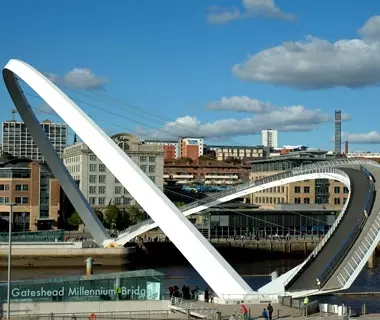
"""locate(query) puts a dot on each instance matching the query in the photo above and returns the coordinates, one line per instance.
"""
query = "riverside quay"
(133, 285)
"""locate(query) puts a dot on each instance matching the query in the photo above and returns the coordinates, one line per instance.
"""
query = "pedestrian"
(264, 314)
(270, 311)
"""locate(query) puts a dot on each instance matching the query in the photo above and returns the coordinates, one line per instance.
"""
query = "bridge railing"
(360, 252)
(352, 236)
(219, 195)
(282, 175)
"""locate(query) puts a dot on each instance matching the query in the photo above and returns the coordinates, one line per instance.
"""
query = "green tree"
(179, 204)
(99, 214)
(75, 220)
(111, 216)
(136, 214)
(123, 220)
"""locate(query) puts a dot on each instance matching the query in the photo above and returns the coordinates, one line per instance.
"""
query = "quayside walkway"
(323, 264)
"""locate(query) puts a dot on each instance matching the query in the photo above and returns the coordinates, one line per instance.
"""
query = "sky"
(221, 69)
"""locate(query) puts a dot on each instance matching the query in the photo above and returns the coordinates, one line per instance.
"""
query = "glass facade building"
(131, 285)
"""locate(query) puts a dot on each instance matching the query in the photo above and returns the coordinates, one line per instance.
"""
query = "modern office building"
(269, 138)
(98, 185)
(17, 141)
(206, 173)
(329, 194)
(238, 152)
(170, 148)
(191, 148)
(36, 192)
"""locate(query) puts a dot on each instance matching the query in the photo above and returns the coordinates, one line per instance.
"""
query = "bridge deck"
(333, 282)
(307, 280)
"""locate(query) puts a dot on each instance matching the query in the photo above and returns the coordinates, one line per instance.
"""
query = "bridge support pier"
(372, 260)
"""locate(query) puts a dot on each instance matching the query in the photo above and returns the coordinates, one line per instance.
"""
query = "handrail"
(222, 194)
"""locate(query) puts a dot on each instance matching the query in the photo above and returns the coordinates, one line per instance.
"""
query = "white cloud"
(287, 118)
(82, 78)
(316, 63)
(372, 137)
(252, 8)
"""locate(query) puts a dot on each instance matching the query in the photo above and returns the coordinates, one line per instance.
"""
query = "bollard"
(89, 266)
(364, 308)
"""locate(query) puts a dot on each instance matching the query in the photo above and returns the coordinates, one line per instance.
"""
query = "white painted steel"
(213, 268)
(300, 176)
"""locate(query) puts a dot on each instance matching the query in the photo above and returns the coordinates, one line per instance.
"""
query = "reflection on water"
(255, 273)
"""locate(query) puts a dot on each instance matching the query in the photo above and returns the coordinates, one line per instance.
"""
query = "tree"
(179, 204)
(136, 214)
(99, 214)
(75, 220)
(111, 216)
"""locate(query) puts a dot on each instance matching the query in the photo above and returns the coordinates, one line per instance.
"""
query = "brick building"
(206, 172)
(35, 191)
(329, 194)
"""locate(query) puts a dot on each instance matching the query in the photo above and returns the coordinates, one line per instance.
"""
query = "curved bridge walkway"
(325, 262)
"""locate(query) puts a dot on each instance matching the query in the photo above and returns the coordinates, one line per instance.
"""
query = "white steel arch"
(321, 173)
(197, 250)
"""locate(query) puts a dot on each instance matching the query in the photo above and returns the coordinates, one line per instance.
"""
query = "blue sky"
(220, 68)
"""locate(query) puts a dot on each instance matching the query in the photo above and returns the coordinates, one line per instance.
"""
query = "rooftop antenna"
(14, 111)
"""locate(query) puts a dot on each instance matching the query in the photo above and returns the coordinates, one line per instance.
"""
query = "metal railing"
(353, 235)
(272, 178)
(360, 253)
(34, 236)
(192, 308)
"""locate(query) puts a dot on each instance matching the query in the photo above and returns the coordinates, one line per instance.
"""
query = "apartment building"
(206, 172)
(269, 138)
(375, 156)
(35, 192)
(329, 194)
(17, 141)
(191, 148)
(239, 152)
(170, 148)
(98, 184)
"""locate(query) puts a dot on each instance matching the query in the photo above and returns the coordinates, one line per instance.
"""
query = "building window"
(102, 190)
(306, 200)
(344, 200)
(143, 167)
(297, 200)
(282, 189)
(92, 200)
(92, 179)
(102, 179)
(345, 190)
(306, 190)
(337, 190)
(336, 200)
(152, 169)
(20, 200)
(153, 178)
(152, 159)
(117, 181)
(118, 189)
(117, 201)
(143, 159)
(4, 187)
(297, 189)
(4, 200)
(102, 168)
(22, 187)
(92, 157)
(102, 200)
(92, 190)
(93, 167)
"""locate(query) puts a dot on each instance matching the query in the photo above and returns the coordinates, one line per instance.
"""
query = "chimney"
(346, 147)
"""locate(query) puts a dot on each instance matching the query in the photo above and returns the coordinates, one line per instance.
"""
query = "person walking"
(305, 303)
(270, 311)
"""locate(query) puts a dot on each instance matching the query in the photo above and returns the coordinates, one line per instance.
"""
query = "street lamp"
(10, 220)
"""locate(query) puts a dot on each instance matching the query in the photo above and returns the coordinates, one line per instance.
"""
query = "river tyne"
(255, 273)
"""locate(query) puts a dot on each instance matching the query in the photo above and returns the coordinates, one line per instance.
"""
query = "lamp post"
(10, 220)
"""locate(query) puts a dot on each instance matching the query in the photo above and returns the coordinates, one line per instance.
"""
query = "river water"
(255, 273)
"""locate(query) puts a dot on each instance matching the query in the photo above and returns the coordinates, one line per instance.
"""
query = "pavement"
(359, 188)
